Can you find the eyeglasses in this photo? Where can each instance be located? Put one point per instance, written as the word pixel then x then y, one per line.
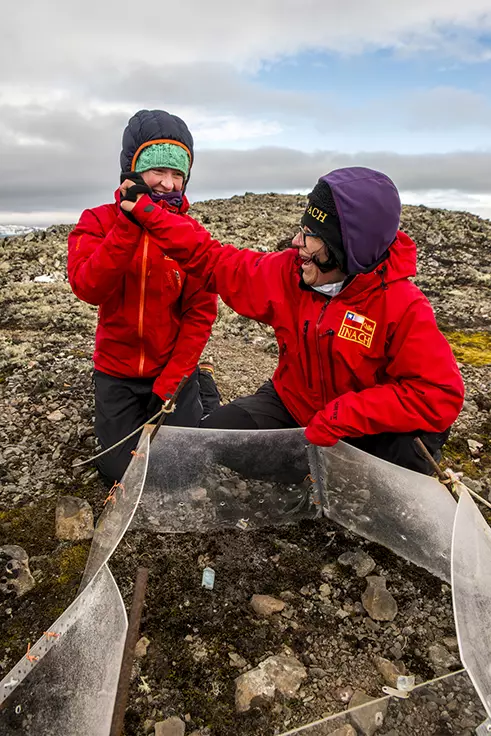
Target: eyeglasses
pixel 307 234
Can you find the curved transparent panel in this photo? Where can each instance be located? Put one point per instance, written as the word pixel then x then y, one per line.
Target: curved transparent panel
pixel 69 685
pixel 118 511
pixel 410 513
pixel 201 479
pixel 445 707
pixel 471 591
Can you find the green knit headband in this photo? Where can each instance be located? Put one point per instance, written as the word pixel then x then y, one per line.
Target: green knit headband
pixel 163 156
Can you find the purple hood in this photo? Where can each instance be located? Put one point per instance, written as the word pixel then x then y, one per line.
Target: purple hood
pixel 369 210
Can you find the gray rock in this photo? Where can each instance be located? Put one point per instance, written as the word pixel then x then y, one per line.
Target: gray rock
pixel 325 590
pixel 346 730
pixel 377 601
pixel 237 661
pixel 362 563
pixel 170 727
pixel 74 519
pixel 370 718
pixel 281 674
pixel 441 659
pixel 15 575
pixel 56 416
pixel 266 605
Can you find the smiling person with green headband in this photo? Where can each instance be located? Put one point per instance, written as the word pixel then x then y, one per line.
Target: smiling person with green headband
pixel 154 320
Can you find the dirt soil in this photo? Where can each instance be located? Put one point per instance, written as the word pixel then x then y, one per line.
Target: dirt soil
pixel 46 341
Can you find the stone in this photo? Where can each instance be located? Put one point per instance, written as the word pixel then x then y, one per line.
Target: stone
pixel 390 671
pixel 325 590
pixel 56 416
pixel 141 647
pixel 370 718
pixel 237 661
pixel 377 601
pixel 362 563
pixel 282 674
pixel 74 519
pixel 346 730
pixel 328 571
pixel 170 727
pixel 15 575
pixel 451 643
pixel 266 605
pixel 343 694
pixel 441 659
pixel 474 447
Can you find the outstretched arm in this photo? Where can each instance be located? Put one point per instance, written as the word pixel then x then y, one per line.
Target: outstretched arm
pixel 246 280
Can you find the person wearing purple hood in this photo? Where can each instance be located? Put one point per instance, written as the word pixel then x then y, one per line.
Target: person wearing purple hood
pixel 360 355
pixel 154 320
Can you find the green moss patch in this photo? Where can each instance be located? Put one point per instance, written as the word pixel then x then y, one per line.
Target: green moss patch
pixel 473 348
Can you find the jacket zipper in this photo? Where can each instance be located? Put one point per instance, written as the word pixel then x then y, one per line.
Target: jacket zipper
pixel 307 353
pixel 319 358
pixel 143 281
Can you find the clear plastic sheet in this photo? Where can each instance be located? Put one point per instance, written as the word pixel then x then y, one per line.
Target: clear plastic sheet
pixel 70 688
pixel 201 479
pixel 471 591
pixel 118 511
pixel 447 706
pixel 69 683
pixel 410 513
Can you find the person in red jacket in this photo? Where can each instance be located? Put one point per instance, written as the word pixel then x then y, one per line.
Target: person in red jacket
pixel 360 355
pixel 154 320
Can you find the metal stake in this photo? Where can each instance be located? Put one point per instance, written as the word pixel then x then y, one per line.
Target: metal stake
pixel 129 652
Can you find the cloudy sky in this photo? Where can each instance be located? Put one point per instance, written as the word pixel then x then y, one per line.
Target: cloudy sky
pixel 276 93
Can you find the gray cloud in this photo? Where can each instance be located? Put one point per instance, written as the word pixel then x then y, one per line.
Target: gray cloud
pixel 69 162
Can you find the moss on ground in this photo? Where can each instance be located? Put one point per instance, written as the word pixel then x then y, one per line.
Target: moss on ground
pixel 472 348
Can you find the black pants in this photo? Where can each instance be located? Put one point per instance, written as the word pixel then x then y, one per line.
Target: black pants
pixel 121 405
pixel 265 410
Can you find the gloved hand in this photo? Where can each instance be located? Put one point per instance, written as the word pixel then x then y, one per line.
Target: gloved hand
pixel 132 193
pixel 154 405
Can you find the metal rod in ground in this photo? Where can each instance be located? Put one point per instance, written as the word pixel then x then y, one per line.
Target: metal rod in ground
pixel 431 459
pixel 444 477
pixel 129 651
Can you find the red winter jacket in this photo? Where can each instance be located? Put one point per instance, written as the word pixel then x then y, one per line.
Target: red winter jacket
pixel 154 320
pixel 369 360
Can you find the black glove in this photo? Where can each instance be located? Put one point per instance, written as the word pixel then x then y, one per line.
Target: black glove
pixel 154 405
pixel 139 187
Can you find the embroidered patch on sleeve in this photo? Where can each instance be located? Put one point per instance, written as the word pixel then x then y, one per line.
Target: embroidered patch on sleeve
pixel 357 328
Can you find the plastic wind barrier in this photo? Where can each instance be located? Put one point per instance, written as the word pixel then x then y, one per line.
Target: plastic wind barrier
pixel 67 683
pixel 410 513
pixel 196 480
pixel 445 706
pixel 471 591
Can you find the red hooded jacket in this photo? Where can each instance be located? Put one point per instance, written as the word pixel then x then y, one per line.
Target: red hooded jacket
pixel 369 360
pixel 154 320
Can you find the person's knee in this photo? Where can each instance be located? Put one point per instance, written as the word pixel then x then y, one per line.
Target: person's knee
pixel 229 416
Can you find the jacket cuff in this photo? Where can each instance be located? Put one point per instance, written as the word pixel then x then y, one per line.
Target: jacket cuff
pixel 146 212
pixel 317 433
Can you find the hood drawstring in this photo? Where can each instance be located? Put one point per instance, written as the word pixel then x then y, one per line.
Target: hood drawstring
pixel 381 272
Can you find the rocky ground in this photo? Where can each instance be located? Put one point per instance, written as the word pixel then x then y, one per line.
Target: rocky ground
pixel 201 641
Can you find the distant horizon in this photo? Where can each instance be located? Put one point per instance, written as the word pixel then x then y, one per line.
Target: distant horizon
pixel 37 220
